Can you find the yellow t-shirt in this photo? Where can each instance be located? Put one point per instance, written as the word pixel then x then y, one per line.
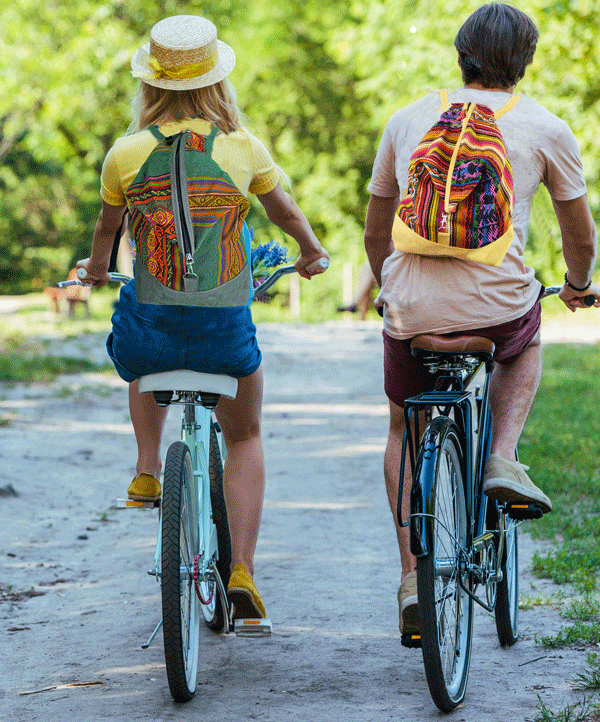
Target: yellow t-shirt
pixel 239 154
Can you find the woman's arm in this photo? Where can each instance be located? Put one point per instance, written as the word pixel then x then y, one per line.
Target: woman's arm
pixel 282 210
pixel 108 223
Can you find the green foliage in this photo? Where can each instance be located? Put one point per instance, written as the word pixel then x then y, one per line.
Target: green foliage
pixel 317 81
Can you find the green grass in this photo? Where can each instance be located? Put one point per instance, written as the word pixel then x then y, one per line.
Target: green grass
pixel 35 367
pixel 578 712
pixel 589 679
pixel 26 359
pixel 561 445
pixel 578 633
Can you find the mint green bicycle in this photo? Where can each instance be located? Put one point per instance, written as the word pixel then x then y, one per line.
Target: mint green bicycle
pixel 192 558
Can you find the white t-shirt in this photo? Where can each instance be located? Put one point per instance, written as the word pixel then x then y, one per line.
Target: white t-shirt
pixel 423 294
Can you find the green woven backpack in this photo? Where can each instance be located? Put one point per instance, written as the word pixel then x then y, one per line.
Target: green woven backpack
pixel 188 224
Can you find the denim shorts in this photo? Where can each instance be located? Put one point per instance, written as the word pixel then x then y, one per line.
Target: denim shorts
pixel 148 339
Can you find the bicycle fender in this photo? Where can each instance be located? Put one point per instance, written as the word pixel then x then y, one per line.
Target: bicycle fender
pixel 421 498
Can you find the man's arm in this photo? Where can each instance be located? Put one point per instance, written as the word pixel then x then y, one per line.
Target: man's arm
pixel 579 240
pixel 378 231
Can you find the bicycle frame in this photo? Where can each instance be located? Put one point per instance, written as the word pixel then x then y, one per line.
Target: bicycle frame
pixel 464 402
pixel 195 432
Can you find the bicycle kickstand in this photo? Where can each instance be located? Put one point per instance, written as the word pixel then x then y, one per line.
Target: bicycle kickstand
pixel 154 633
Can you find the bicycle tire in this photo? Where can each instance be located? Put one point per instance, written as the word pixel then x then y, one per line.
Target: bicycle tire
pixel 180 605
pixel 445 608
pixel 506 610
pixel 213 613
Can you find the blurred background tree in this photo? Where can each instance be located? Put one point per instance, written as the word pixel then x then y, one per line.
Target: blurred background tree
pixel 317 81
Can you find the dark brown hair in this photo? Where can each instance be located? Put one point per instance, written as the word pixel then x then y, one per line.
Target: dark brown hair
pixel 495 45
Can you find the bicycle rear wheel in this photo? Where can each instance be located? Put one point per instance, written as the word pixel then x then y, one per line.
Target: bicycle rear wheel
pixel 213 612
pixel 507 594
pixel 180 606
pixel 445 608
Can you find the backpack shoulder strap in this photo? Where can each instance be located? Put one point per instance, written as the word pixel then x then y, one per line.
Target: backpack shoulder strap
pixel 444 100
pixel 508 106
pixel 156 132
pixel 210 139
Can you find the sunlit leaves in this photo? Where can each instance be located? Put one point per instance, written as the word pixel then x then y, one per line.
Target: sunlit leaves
pixel 317 80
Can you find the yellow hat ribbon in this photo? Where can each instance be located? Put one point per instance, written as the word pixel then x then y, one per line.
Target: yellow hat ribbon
pixel 179 72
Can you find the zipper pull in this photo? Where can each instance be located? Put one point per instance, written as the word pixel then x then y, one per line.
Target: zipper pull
pixel 190 279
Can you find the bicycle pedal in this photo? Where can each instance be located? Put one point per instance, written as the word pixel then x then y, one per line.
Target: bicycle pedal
pixel 413 641
pixel 519 512
pixel 133 504
pixel 252 627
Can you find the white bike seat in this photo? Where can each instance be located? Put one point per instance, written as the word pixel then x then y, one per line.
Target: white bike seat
pixel 183 380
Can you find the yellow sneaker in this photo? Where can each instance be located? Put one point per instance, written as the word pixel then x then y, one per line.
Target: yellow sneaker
pixel 144 488
pixel 244 596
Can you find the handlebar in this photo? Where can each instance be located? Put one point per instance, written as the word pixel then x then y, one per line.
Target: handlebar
pixel 588 300
pixel 74 282
pixel 266 284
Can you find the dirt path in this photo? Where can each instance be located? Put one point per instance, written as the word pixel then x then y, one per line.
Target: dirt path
pixel 327 566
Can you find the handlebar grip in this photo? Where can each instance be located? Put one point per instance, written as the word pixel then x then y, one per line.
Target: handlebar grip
pixel 319 263
pixel 589 300
pixel 81 273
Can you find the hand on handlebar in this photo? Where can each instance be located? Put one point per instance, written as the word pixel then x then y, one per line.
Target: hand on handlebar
pixel 90 275
pixel 575 299
pixel 309 266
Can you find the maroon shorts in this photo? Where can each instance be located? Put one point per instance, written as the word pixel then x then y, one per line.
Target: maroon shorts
pixel 404 376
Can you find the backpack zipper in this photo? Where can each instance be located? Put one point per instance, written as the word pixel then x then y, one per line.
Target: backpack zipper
pixel 180 198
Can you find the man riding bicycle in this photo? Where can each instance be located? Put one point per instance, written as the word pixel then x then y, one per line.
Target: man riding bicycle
pixel 444 295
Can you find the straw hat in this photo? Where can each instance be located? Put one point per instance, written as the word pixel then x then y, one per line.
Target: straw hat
pixel 183 53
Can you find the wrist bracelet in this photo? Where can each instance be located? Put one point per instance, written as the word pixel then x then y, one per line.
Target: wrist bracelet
pixel 574 288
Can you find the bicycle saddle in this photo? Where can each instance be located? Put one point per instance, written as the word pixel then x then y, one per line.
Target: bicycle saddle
pixel 183 380
pixel 461 344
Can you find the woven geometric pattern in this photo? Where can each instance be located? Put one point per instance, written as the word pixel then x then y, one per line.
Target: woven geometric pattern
pixel 460 187
pixel 217 207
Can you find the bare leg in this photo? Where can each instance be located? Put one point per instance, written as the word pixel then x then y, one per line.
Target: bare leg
pixel 391 469
pixel 244 472
pixel 512 391
pixel 148 420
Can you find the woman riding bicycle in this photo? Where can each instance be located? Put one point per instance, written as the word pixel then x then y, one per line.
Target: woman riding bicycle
pixel 176 94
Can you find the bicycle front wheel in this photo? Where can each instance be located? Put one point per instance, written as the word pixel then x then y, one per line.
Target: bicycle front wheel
pixel 180 606
pixel 213 612
pixel 445 607
pixel 507 597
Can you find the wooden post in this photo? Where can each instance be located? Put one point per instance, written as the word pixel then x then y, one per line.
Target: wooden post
pixel 295 295
pixel 347 284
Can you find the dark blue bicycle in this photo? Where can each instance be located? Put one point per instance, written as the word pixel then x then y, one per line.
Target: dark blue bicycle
pixel 466 544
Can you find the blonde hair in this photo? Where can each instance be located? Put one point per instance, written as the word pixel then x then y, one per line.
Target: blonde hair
pixel 216 103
